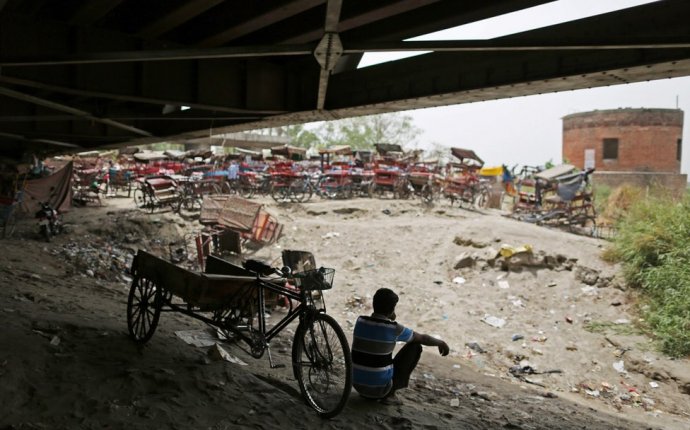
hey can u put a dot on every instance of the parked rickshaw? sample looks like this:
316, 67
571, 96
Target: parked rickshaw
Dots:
235, 300
192, 189
336, 184
361, 181
563, 197
88, 186
282, 189
462, 182
119, 180
155, 192
390, 181
425, 181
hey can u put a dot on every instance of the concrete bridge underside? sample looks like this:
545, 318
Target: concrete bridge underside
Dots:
79, 75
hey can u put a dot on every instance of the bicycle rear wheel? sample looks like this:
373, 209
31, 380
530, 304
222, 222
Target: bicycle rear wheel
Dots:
322, 364
297, 191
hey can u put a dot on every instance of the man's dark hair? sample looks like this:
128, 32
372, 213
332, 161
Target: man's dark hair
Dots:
384, 301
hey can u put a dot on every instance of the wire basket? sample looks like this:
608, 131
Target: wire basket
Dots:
319, 279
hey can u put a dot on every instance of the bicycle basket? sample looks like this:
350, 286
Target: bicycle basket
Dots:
319, 279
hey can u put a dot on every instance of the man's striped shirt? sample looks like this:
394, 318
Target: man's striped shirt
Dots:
372, 353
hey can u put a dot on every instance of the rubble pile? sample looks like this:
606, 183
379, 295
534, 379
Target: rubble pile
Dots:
101, 260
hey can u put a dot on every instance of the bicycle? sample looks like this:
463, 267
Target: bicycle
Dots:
233, 299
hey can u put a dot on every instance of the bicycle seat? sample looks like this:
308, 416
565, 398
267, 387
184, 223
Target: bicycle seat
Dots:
258, 267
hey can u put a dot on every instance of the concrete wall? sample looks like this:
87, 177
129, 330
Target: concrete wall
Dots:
647, 139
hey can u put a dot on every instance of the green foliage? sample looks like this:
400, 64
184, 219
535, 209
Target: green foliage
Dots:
357, 132
652, 243
606, 327
300, 136
601, 197
365, 131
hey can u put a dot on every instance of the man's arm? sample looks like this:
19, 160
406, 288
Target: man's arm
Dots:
427, 340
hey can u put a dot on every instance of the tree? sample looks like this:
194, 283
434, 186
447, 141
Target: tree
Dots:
300, 136
439, 152
365, 131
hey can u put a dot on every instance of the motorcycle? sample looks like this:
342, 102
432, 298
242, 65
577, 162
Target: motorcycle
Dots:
49, 221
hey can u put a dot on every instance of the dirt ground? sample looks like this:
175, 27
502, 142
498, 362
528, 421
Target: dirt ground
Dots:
578, 360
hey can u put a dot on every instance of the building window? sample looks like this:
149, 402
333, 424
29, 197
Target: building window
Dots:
679, 149
611, 149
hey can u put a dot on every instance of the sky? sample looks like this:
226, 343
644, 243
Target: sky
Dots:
528, 130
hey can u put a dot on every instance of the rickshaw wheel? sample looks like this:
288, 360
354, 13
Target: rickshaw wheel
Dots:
143, 309
371, 189
246, 191
191, 202
347, 191
322, 364
280, 194
228, 188
380, 191
427, 194
297, 191
140, 198
583, 225
482, 199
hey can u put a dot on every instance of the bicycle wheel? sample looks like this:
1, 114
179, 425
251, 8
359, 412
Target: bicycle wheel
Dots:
297, 192
481, 199
228, 188
143, 309
140, 199
246, 191
427, 194
322, 364
280, 194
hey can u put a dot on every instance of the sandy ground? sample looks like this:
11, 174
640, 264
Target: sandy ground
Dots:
66, 361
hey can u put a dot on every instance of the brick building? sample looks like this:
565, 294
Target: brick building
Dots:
638, 146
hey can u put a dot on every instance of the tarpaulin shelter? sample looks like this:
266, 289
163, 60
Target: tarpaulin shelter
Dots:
56, 189
130, 150
555, 172
255, 155
147, 156
466, 154
337, 150
385, 148
333, 150
364, 155
174, 154
290, 152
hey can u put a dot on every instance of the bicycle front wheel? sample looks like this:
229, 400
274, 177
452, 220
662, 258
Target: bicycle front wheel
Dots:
140, 199
322, 364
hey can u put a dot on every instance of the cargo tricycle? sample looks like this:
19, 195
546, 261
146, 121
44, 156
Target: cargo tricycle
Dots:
235, 299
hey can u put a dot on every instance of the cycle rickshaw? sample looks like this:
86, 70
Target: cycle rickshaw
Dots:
234, 299
462, 182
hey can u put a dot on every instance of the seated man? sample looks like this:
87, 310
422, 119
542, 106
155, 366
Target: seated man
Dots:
376, 374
